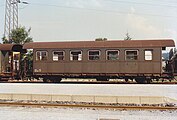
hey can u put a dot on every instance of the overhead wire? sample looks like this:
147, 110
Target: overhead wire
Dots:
23, 7
99, 10
108, 11
140, 3
171, 2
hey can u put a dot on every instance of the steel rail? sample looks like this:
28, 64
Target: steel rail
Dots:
87, 106
90, 82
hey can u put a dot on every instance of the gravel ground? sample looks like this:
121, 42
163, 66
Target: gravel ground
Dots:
27, 113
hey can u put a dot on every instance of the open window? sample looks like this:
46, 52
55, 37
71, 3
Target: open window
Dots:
94, 54
41, 55
58, 55
148, 54
76, 55
131, 55
112, 54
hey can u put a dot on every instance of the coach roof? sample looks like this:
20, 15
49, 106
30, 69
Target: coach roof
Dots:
11, 47
102, 44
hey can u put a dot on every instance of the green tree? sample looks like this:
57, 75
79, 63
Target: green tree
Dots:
19, 36
127, 37
4, 40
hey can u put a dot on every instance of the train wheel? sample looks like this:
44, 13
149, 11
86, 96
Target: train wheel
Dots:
102, 79
126, 79
140, 80
143, 80
52, 80
57, 80
46, 80
148, 80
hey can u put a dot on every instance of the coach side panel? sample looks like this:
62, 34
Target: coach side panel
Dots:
101, 66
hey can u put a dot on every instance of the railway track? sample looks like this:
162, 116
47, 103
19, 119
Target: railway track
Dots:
88, 82
113, 82
17, 104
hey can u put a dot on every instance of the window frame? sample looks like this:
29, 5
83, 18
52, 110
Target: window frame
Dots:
112, 50
78, 57
148, 55
41, 54
130, 59
98, 55
58, 51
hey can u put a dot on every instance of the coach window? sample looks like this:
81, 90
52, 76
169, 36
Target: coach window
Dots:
94, 54
76, 55
58, 55
148, 54
41, 55
131, 54
112, 54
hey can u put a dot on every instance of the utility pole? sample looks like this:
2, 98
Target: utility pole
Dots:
11, 17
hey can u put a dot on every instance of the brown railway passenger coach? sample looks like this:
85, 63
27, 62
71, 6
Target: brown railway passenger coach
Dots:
10, 60
124, 59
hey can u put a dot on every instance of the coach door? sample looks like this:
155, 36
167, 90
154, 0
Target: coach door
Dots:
16, 61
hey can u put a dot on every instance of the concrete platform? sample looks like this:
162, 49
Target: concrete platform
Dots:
90, 99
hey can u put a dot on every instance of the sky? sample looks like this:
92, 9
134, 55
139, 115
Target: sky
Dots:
80, 20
